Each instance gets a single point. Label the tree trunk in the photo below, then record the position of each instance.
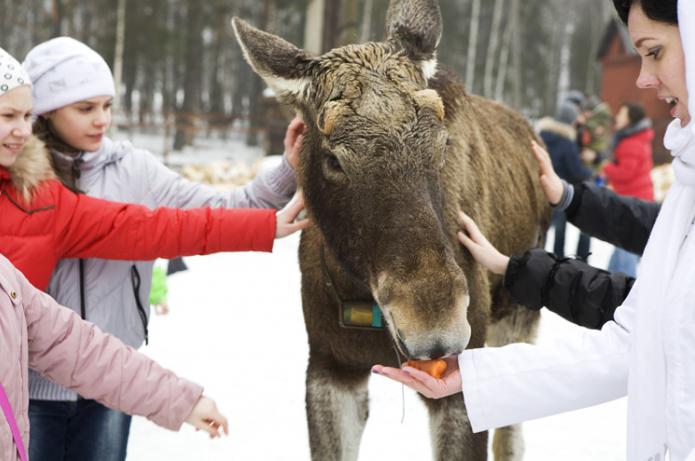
(492, 49)
(118, 56)
(366, 31)
(185, 129)
(516, 56)
(57, 17)
(257, 85)
(472, 45)
(503, 62)
(330, 24)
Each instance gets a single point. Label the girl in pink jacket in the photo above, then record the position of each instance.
(37, 332)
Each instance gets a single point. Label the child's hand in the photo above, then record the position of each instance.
(432, 388)
(294, 138)
(550, 181)
(285, 224)
(482, 250)
(205, 416)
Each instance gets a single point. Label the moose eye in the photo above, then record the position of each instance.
(333, 163)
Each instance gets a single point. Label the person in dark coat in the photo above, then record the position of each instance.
(560, 137)
(582, 294)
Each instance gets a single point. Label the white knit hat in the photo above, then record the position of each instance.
(12, 74)
(65, 71)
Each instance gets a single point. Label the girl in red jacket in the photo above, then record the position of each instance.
(42, 221)
(629, 173)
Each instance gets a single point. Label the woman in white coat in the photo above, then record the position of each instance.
(648, 352)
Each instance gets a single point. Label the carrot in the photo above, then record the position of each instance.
(434, 368)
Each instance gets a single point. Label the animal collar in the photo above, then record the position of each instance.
(361, 314)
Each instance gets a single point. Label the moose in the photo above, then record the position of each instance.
(394, 148)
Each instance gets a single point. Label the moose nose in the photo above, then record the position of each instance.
(436, 350)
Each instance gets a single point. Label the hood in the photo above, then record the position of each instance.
(32, 167)
(109, 152)
(551, 125)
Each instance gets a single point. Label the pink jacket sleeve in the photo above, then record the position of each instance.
(78, 355)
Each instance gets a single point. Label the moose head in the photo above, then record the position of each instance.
(374, 154)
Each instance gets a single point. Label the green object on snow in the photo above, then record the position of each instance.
(158, 293)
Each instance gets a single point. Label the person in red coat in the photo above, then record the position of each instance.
(629, 173)
(42, 221)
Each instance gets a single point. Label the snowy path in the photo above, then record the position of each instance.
(236, 326)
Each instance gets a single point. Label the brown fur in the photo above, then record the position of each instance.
(385, 171)
(32, 166)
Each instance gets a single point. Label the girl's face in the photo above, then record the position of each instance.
(663, 61)
(15, 123)
(82, 125)
(622, 118)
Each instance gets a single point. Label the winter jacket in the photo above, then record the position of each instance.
(56, 223)
(117, 292)
(622, 221)
(36, 332)
(560, 140)
(569, 287)
(630, 172)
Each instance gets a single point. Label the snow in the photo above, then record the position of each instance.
(236, 326)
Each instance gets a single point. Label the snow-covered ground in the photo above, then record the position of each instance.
(236, 326)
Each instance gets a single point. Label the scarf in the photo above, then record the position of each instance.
(660, 297)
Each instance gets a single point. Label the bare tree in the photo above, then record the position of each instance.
(367, 11)
(472, 44)
(118, 54)
(493, 44)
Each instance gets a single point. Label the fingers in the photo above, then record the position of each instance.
(404, 377)
(291, 228)
(296, 125)
(295, 206)
(209, 426)
(471, 228)
(543, 157)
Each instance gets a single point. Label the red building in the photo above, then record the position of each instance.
(621, 66)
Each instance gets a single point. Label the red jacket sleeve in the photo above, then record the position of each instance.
(628, 155)
(86, 227)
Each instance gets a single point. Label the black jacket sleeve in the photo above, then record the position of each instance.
(580, 293)
(625, 222)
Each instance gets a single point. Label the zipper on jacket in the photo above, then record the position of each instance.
(135, 279)
(83, 301)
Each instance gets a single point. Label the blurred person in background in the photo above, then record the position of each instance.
(629, 171)
(560, 136)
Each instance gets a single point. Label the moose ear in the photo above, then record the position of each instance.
(283, 66)
(416, 26)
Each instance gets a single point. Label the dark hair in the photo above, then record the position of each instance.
(66, 169)
(635, 112)
(656, 10)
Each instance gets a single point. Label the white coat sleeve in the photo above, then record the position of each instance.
(270, 189)
(519, 382)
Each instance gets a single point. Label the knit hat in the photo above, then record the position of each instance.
(567, 113)
(12, 74)
(575, 96)
(65, 71)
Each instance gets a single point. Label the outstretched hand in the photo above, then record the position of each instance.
(482, 250)
(206, 417)
(285, 218)
(550, 181)
(294, 138)
(430, 387)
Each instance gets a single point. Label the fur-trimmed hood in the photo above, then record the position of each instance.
(553, 126)
(33, 165)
